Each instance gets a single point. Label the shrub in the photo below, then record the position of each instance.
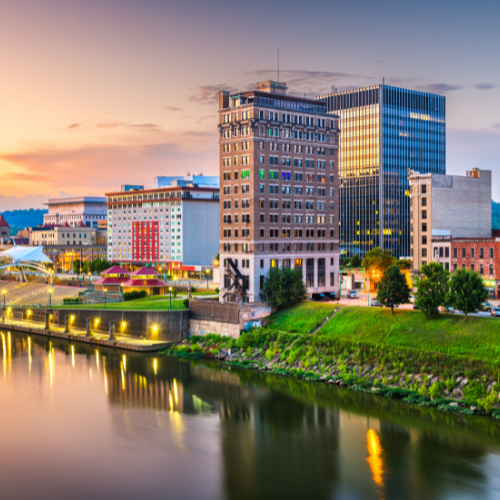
(435, 390)
(217, 290)
(488, 402)
(134, 294)
(422, 390)
(196, 347)
(474, 391)
(71, 300)
(185, 303)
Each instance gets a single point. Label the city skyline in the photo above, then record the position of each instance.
(101, 93)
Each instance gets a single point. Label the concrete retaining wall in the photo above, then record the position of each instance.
(203, 327)
(168, 326)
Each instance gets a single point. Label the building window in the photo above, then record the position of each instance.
(481, 253)
(424, 202)
(455, 253)
(491, 255)
(472, 267)
(447, 266)
(447, 252)
(424, 214)
(424, 240)
(424, 188)
(463, 252)
(471, 253)
(454, 267)
(424, 252)
(491, 270)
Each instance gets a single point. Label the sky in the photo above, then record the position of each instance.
(99, 93)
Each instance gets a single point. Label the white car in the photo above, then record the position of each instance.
(495, 311)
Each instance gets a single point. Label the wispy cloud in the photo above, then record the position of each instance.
(140, 126)
(485, 86)
(194, 133)
(440, 87)
(172, 108)
(73, 126)
(497, 125)
(208, 94)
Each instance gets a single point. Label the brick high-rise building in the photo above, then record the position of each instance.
(279, 190)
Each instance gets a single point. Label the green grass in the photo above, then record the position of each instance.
(449, 334)
(156, 303)
(302, 318)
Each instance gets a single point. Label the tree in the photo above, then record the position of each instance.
(377, 261)
(393, 289)
(432, 288)
(467, 291)
(403, 264)
(355, 261)
(284, 287)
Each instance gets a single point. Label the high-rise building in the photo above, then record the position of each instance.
(385, 131)
(174, 227)
(279, 190)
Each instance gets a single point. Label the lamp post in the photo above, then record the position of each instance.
(170, 291)
(89, 280)
(207, 272)
(105, 290)
(4, 292)
(50, 297)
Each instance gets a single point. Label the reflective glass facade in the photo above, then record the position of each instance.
(384, 132)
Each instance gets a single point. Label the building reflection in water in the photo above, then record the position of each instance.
(276, 437)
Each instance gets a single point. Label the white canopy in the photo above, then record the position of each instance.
(26, 254)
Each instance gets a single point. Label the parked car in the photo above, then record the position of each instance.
(319, 297)
(415, 306)
(447, 309)
(495, 311)
(375, 303)
(352, 294)
(486, 306)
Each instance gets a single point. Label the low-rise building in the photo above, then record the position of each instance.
(117, 279)
(448, 205)
(4, 230)
(176, 228)
(74, 211)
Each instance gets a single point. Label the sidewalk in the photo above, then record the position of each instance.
(78, 334)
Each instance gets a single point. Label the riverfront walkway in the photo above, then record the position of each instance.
(78, 334)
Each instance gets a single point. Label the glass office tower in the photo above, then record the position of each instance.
(384, 131)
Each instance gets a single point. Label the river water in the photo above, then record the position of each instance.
(85, 423)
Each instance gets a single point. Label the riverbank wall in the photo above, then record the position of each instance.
(164, 326)
(228, 320)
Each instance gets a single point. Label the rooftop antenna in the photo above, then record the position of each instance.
(278, 64)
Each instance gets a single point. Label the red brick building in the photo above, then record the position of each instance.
(481, 255)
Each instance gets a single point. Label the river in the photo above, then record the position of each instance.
(79, 422)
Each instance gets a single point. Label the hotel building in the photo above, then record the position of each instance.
(176, 227)
(279, 189)
(75, 211)
(385, 131)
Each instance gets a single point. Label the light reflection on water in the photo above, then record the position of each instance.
(82, 422)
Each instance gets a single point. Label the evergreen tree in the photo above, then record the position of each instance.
(432, 288)
(393, 289)
(467, 291)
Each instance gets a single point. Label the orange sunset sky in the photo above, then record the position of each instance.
(97, 93)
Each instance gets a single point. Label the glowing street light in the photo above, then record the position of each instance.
(50, 297)
(89, 279)
(170, 290)
(105, 291)
(207, 272)
(4, 292)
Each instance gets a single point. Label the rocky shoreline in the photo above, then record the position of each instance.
(450, 384)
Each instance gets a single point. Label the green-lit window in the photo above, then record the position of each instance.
(262, 174)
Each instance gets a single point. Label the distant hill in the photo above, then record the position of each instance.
(19, 219)
(495, 215)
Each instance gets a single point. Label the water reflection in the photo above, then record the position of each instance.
(219, 433)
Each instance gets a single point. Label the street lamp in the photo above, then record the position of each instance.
(4, 292)
(89, 281)
(105, 290)
(170, 290)
(207, 272)
(50, 297)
